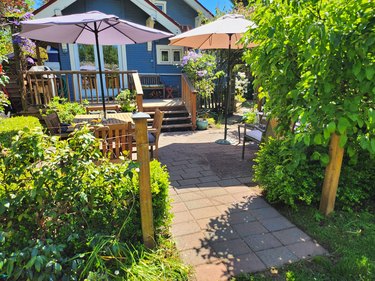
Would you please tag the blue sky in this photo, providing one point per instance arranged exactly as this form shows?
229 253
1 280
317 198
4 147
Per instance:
213 4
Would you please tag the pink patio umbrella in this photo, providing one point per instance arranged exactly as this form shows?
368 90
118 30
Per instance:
218 34
94 28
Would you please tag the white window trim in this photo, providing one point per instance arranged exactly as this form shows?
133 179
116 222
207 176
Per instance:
170 50
161 3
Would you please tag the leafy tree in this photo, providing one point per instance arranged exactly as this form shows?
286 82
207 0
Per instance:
316 65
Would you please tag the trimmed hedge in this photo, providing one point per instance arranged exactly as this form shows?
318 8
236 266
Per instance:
9 127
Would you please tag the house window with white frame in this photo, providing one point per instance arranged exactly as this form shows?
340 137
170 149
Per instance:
168 54
162 5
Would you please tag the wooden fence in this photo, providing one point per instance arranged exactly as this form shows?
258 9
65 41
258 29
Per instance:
76 86
189 98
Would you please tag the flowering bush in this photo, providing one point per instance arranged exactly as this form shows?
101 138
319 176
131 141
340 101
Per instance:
241 84
200 68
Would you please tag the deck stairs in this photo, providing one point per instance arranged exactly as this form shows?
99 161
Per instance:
176 117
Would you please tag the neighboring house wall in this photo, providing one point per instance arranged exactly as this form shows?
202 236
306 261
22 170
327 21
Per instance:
181 12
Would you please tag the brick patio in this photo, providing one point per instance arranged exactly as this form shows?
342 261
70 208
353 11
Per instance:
222 225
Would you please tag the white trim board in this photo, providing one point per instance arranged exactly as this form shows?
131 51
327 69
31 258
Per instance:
52 9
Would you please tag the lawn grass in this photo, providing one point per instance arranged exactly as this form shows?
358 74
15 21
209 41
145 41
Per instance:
348 236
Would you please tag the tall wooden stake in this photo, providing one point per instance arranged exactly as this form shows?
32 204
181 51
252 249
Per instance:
143 158
332 175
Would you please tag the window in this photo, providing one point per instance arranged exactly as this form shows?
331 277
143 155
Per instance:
168 54
162 5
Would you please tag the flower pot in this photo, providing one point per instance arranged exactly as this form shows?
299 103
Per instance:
202 124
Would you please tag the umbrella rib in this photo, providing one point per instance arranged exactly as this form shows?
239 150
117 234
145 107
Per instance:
125 34
109 26
209 37
79 34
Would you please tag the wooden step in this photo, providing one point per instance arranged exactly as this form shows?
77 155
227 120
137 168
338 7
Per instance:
176 126
170 112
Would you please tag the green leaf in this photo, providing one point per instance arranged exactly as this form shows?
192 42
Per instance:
351 151
370 71
343 140
331 127
324 159
318 139
343 125
373 145
38 263
58 268
306 140
30 263
357 68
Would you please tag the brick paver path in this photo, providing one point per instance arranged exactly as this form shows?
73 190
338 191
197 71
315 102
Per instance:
222 225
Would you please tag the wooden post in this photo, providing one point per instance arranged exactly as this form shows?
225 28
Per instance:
143 158
139 91
332 175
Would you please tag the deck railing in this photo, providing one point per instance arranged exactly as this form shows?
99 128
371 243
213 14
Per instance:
77 86
189 98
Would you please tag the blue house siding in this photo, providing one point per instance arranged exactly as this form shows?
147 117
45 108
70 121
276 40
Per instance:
181 12
138 57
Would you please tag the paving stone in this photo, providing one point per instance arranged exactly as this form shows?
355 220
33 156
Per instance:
219 234
208 184
245 179
240 217
191 175
264 241
278 223
178 207
216 271
175 198
209 179
189 196
230 248
205 212
178 163
175 183
250 228
208 173
188 182
223 199
190 241
175 177
197 256
172 191
265 213
228 182
276 256
184 228
306 250
194 169
212 192
186 189
182 217
291 236
245 264
199 203
237 189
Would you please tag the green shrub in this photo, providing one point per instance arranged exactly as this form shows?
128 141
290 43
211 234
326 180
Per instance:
66 110
126 99
289 175
61 205
249 117
9 127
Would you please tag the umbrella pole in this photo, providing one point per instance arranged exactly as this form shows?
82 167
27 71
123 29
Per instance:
100 68
227 97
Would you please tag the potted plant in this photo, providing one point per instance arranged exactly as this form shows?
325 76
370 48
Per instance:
202 122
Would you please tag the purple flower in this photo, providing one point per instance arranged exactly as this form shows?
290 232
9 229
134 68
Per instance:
27 15
30 60
201 73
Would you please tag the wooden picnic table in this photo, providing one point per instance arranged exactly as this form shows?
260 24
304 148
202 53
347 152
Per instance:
112 118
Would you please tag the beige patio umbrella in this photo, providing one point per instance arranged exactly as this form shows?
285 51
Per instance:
219 34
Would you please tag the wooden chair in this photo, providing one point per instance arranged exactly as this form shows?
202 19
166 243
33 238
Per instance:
55 127
120 140
154 133
101 132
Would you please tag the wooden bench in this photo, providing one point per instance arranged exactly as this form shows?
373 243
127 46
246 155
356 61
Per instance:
153 83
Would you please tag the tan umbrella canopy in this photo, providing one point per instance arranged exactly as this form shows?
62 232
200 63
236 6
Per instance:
219 34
